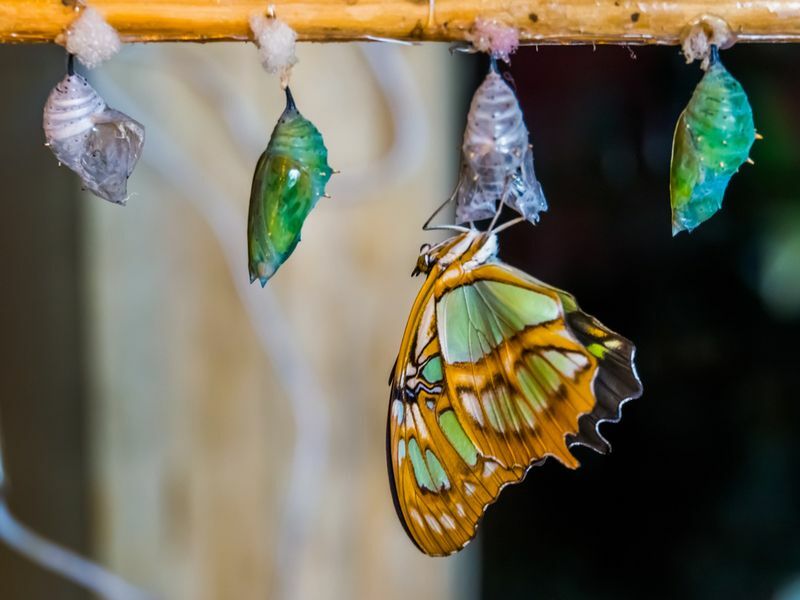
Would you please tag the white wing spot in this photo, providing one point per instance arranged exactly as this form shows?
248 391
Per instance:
469 488
578 359
470 402
398 410
447 521
433 523
489 467
421 428
416 516
460 510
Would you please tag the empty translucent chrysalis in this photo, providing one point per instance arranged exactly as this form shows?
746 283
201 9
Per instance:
100 144
712 140
496 157
290 177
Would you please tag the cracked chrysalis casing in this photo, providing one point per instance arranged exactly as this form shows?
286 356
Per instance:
496 156
100 144
290 177
712 140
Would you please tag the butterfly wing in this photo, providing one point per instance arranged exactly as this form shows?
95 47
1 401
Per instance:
494 376
440 484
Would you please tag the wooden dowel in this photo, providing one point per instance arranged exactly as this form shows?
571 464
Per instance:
539 21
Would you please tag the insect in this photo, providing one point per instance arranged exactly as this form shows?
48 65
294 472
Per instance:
496 372
496 157
712 140
100 144
290 177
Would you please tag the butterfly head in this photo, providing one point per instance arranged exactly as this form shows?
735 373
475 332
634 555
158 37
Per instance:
471 248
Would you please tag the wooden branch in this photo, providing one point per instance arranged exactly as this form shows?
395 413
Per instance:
539 21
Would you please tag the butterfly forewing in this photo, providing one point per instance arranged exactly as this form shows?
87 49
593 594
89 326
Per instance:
518 379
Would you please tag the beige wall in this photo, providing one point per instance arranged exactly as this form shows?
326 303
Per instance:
238 433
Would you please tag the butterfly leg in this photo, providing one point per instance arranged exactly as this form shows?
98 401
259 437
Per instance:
428 227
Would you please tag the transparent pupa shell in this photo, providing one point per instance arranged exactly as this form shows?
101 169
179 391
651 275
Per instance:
712 140
496 157
290 178
100 144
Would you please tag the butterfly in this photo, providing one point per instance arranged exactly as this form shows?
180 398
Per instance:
496 372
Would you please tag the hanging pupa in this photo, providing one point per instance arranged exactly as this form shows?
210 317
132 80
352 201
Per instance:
100 144
496 156
712 140
290 177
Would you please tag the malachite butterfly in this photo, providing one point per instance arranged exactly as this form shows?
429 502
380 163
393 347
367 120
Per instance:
496 156
712 140
496 372
290 177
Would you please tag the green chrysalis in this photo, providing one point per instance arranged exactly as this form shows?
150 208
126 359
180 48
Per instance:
712 140
290 177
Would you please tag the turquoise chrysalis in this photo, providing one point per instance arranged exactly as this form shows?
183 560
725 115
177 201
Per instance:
712 140
290 177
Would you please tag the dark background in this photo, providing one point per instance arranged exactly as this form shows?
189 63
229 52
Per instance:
700 497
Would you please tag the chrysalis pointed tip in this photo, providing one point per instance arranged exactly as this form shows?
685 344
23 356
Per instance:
290 105
713 58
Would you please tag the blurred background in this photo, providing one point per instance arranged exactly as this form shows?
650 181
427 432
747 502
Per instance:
210 440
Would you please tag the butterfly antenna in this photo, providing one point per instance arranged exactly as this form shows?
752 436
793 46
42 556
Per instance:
427 225
70 64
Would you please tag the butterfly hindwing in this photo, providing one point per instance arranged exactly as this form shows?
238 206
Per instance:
440 482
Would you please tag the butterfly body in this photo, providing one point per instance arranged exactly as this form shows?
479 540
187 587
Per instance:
496 157
496 372
289 179
712 140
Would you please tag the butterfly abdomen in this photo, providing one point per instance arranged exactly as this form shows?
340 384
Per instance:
712 140
290 178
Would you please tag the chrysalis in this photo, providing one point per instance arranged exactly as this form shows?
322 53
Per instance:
290 177
100 144
496 158
712 140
